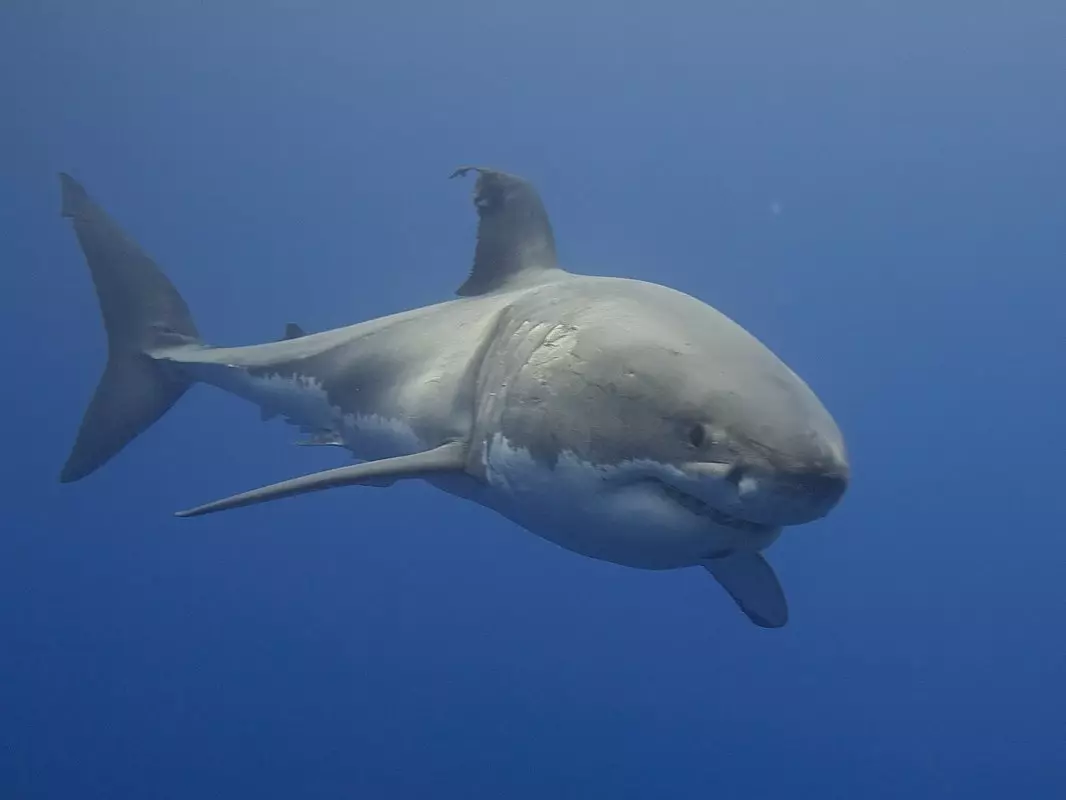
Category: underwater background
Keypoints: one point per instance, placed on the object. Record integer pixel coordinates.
(876, 190)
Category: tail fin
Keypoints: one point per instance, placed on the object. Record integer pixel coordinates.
(142, 311)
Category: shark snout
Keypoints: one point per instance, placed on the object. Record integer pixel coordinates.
(776, 494)
(810, 491)
(820, 490)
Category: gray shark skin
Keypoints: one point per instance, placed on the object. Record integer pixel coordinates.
(620, 419)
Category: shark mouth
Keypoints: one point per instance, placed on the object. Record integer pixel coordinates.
(702, 509)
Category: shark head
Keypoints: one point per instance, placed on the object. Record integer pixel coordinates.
(647, 428)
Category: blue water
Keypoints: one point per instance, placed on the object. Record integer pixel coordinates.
(877, 190)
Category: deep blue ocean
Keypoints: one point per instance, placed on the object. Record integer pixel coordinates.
(876, 190)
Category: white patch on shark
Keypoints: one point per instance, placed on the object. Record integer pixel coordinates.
(604, 511)
(300, 398)
(377, 434)
(303, 401)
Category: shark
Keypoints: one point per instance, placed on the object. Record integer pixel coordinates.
(620, 419)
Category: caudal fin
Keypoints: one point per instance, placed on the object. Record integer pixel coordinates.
(142, 312)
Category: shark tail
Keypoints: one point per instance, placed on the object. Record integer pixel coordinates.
(143, 313)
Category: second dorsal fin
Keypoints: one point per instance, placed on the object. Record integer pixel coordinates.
(293, 331)
(515, 242)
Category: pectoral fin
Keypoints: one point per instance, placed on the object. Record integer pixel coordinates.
(449, 457)
(751, 582)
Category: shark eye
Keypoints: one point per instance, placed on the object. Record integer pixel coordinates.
(697, 435)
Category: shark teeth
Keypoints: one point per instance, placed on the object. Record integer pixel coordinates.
(697, 506)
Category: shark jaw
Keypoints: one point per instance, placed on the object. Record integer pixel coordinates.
(632, 513)
(696, 506)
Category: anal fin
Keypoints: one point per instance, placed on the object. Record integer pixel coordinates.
(322, 439)
(450, 457)
(751, 582)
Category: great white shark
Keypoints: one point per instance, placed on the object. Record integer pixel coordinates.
(618, 418)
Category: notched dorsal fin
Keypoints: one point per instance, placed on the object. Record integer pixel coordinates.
(514, 236)
(751, 582)
(449, 457)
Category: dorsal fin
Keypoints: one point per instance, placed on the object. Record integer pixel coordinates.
(515, 242)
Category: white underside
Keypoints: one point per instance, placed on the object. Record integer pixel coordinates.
(302, 401)
(584, 508)
(604, 512)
